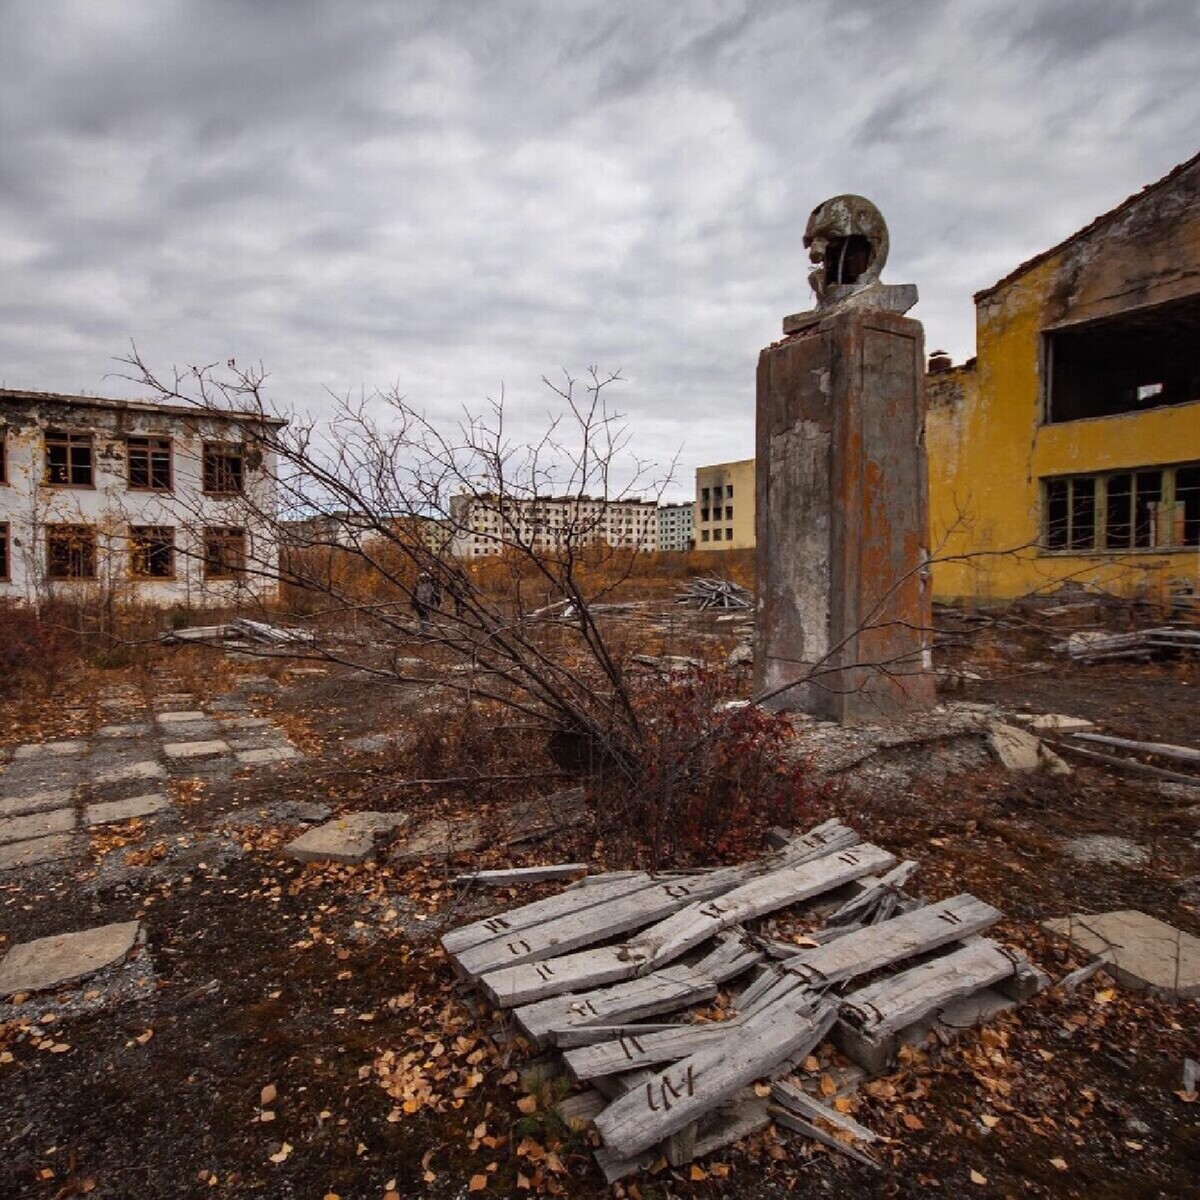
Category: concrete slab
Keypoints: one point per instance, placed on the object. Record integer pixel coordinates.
(1106, 848)
(130, 771)
(178, 718)
(15, 806)
(1056, 722)
(185, 750)
(36, 825)
(51, 962)
(123, 731)
(126, 810)
(267, 754)
(347, 839)
(38, 850)
(1144, 952)
(49, 749)
(1019, 750)
(248, 723)
(439, 838)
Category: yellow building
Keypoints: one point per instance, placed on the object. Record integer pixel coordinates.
(725, 506)
(1069, 448)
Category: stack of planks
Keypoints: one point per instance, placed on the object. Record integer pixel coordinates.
(607, 970)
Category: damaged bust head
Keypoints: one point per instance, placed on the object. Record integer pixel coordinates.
(847, 241)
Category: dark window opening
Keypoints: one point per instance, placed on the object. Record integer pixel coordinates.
(69, 459)
(1187, 502)
(729, 535)
(704, 514)
(224, 552)
(3, 456)
(1125, 364)
(70, 552)
(5, 566)
(704, 535)
(729, 491)
(1083, 514)
(1118, 525)
(704, 493)
(729, 512)
(1147, 499)
(149, 463)
(1058, 513)
(152, 553)
(223, 470)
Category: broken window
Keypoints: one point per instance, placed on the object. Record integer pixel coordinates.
(729, 512)
(3, 455)
(224, 552)
(1139, 360)
(704, 535)
(5, 565)
(149, 463)
(68, 459)
(223, 469)
(729, 491)
(1123, 510)
(729, 535)
(704, 495)
(704, 514)
(70, 552)
(152, 551)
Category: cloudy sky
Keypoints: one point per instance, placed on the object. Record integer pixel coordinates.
(446, 195)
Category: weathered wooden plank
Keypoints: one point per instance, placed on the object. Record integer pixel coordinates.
(1158, 749)
(857, 908)
(662, 991)
(797, 1099)
(789, 1120)
(512, 876)
(884, 1008)
(902, 937)
(630, 1050)
(665, 941)
(725, 1128)
(581, 1109)
(502, 924)
(686, 1090)
(566, 1039)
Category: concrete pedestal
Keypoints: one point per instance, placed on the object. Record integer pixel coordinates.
(842, 520)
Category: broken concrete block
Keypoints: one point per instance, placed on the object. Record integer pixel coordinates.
(1056, 722)
(125, 810)
(187, 750)
(50, 962)
(1142, 951)
(267, 754)
(1018, 750)
(180, 718)
(137, 770)
(123, 731)
(15, 806)
(49, 749)
(38, 850)
(36, 825)
(350, 838)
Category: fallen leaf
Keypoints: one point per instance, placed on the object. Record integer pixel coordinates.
(978, 1179)
(913, 1122)
(1059, 1164)
(331, 1196)
(1134, 1145)
(527, 1104)
(282, 1154)
(143, 1038)
(266, 1115)
(267, 1095)
(478, 1183)
(990, 1121)
(828, 1087)
(59, 1048)
(697, 1173)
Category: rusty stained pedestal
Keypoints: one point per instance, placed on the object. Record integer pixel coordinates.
(842, 520)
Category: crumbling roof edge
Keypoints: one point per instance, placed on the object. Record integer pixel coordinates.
(178, 410)
(1087, 229)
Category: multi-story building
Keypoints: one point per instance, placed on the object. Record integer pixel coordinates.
(675, 523)
(1069, 448)
(482, 526)
(145, 502)
(725, 506)
(347, 529)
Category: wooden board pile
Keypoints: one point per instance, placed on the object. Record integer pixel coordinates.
(607, 970)
(713, 592)
(241, 633)
(1091, 646)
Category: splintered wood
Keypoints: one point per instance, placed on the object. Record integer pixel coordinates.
(610, 969)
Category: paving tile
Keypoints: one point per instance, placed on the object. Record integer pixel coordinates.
(1143, 952)
(267, 754)
(136, 770)
(176, 718)
(211, 749)
(38, 850)
(50, 962)
(35, 825)
(15, 806)
(126, 810)
(124, 731)
(346, 839)
(49, 749)
(248, 723)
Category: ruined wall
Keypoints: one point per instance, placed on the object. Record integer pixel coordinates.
(28, 505)
(989, 444)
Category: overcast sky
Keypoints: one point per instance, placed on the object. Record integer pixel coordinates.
(445, 195)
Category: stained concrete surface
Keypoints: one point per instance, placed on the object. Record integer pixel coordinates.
(51, 962)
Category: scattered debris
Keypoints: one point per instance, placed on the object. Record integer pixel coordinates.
(241, 633)
(713, 592)
(1090, 646)
(1018, 750)
(519, 875)
(1106, 848)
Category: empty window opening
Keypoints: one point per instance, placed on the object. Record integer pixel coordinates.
(70, 552)
(1125, 364)
(729, 512)
(152, 551)
(68, 459)
(5, 564)
(3, 455)
(223, 469)
(729, 535)
(149, 461)
(224, 552)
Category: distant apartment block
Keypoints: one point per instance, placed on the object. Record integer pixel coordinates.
(347, 529)
(675, 523)
(145, 502)
(725, 506)
(483, 526)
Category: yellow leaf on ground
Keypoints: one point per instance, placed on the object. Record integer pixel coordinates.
(267, 1095)
(527, 1104)
(828, 1087)
(282, 1154)
(478, 1183)
(1059, 1164)
(990, 1121)
(977, 1178)
(697, 1173)
(913, 1122)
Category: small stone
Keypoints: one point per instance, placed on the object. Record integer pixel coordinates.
(50, 962)
(1106, 848)
(1015, 749)
(1056, 722)
(126, 810)
(211, 749)
(37, 825)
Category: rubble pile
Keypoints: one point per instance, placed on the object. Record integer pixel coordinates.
(713, 592)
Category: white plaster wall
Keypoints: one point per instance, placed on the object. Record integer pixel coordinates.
(27, 505)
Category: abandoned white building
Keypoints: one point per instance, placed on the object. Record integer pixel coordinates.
(483, 525)
(676, 526)
(142, 502)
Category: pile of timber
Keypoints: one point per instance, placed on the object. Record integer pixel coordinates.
(1126, 754)
(1092, 646)
(713, 592)
(242, 633)
(609, 973)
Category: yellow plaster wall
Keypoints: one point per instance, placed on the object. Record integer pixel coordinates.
(741, 475)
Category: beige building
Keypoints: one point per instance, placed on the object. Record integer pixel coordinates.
(725, 506)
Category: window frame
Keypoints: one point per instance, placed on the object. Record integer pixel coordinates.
(149, 440)
(225, 450)
(224, 534)
(70, 441)
(58, 529)
(139, 536)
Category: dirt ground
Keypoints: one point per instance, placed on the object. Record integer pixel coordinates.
(326, 987)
